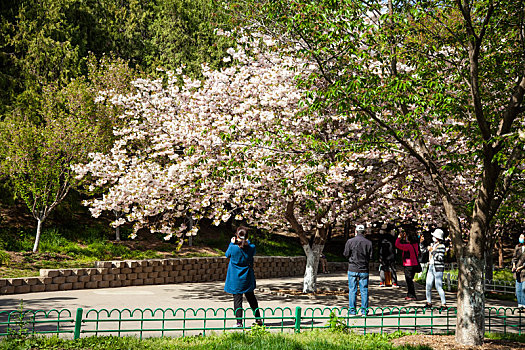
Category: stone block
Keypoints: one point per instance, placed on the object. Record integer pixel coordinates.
(142, 275)
(7, 290)
(153, 274)
(85, 278)
(78, 272)
(132, 276)
(102, 271)
(22, 289)
(65, 286)
(103, 264)
(119, 264)
(103, 284)
(137, 282)
(121, 277)
(3, 282)
(126, 283)
(149, 281)
(126, 270)
(15, 282)
(72, 279)
(168, 280)
(59, 280)
(52, 287)
(91, 272)
(108, 277)
(49, 273)
(131, 264)
(158, 268)
(92, 284)
(164, 274)
(30, 281)
(115, 283)
(38, 288)
(147, 269)
(96, 278)
(114, 271)
(79, 285)
(179, 279)
(159, 280)
(64, 272)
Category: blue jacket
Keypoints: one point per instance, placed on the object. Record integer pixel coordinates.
(240, 278)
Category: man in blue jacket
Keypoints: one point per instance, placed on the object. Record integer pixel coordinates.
(358, 250)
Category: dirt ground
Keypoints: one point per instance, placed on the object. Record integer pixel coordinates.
(442, 342)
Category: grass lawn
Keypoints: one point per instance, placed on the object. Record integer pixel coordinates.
(258, 339)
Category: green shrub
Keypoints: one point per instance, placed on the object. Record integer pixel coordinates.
(5, 258)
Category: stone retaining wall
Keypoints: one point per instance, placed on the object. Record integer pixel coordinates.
(108, 274)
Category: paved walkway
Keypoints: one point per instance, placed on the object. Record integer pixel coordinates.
(211, 295)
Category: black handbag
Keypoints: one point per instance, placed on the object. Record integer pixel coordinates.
(417, 268)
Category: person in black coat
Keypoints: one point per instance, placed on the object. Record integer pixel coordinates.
(387, 257)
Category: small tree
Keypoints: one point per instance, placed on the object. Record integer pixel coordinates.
(37, 158)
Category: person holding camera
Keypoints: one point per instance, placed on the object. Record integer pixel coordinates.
(436, 267)
(240, 277)
(408, 243)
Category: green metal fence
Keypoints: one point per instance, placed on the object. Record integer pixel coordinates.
(182, 322)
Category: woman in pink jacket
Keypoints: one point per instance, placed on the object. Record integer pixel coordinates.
(410, 247)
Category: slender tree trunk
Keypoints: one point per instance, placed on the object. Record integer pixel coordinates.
(38, 231)
(500, 252)
(312, 264)
(117, 233)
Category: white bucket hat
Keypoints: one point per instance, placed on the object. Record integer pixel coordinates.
(359, 228)
(438, 233)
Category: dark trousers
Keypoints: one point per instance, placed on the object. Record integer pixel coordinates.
(237, 305)
(409, 278)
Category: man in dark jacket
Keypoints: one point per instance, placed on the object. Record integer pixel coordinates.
(358, 250)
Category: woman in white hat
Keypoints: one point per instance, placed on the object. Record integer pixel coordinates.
(436, 266)
(518, 267)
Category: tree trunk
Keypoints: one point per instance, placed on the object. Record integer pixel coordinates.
(38, 231)
(346, 231)
(470, 326)
(500, 252)
(489, 265)
(117, 233)
(312, 264)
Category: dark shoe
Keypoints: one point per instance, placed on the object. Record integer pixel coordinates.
(410, 298)
(443, 307)
(427, 306)
(259, 323)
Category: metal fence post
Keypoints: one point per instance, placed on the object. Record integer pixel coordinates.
(298, 319)
(78, 323)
